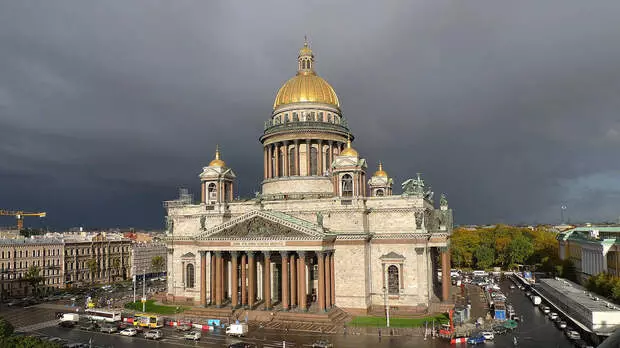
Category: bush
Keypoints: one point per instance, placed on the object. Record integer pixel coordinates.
(6, 328)
(26, 342)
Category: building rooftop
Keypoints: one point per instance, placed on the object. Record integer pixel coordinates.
(580, 295)
(31, 241)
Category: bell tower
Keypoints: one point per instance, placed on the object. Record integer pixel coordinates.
(217, 182)
(349, 173)
(380, 183)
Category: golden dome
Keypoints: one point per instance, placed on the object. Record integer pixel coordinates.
(217, 162)
(306, 86)
(381, 172)
(349, 151)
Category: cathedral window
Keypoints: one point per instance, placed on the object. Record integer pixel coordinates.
(291, 161)
(329, 118)
(211, 193)
(312, 116)
(379, 193)
(313, 161)
(189, 276)
(347, 185)
(393, 280)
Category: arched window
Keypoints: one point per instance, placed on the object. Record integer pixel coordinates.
(379, 193)
(347, 185)
(211, 193)
(189, 276)
(393, 281)
(313, 161)
(291, 161)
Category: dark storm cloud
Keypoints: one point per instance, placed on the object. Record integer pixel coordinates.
(510, 108)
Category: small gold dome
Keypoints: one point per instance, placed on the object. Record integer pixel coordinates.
(217, 162)
(306, 86)
(380, 171)
(349, 151)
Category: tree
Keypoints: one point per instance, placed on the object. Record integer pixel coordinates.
(116, 265)
(27, 342)
(519, 250)
(34, 277)
(485, 256)
(6, 328)
(158, 263)
(93, 267)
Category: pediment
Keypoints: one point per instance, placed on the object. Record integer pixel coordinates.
(189, 255)
(264, 225)
(392, 256)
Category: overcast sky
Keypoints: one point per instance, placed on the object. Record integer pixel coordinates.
(511, 108)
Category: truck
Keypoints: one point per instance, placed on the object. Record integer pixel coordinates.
(238, 329)
(69, 317)
(536, 300)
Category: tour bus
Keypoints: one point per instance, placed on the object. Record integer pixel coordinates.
(148, 320)
(109, 316)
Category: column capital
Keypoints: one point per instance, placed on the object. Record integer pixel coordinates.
(218, 253)
(302, 254)
(234, 254)
(284, 254)
(266, 253)
(251, 253)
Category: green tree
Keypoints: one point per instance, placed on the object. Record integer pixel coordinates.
(520, 249)
(569, 271)
(33, 277)
(6, 328)
(93, 267)
(116, 265)
(26, 342)
(485, 256)
(158, 263)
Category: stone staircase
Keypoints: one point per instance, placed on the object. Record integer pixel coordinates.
(199, 314)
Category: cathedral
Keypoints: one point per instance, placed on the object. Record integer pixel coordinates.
(324, 232)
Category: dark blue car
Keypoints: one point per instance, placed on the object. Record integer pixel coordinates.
(475, 339)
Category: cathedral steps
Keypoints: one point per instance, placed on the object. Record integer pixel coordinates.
(209, 313)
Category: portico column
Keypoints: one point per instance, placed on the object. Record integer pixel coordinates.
(266, 160)
(297, 157)
(293, 267)
(445, 274)
(212, 274)
(320, 256)
(328, 280)
(267, 279)
(319, 157)
(202, 192)
(302, 281)
(244, 294)
(218, 279)
(286, 166)
(234, 279)
(285, 287)
(252, 278)
(331, 154)
(270, 161)
(308, 172)
(333, 281)
(203, 278)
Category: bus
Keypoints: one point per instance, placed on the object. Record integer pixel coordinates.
(110, 316)
(148, 320)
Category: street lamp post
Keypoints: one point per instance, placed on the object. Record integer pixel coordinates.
(387, 308)
(144, 290)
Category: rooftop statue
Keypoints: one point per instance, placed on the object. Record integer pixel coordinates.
(413, 187)
(443, 201)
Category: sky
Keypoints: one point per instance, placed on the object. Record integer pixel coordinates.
(510, 108)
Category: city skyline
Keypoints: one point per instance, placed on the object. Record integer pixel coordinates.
(105, 111)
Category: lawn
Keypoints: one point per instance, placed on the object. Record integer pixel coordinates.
(151, 307)
(397, 322)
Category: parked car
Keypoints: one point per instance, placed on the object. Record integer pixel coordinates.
(322, 344)
(108, 329)
(573, 335)
(488, 335)
(153, 334)
(14, 303)
(476, 339)
(241, 345)
(192, 335)
(129, 332)
(90, 327)
(553, 315)
(184, 327)
(561, 324)
(512, 286)
(66, 324)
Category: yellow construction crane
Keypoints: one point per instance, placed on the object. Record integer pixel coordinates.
(19, 215)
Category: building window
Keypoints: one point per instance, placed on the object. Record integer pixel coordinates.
(347, 185)
(393, 281)
(189, 276)
(211, 193)
(313, 161)
(291, 161)
(379, 193)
